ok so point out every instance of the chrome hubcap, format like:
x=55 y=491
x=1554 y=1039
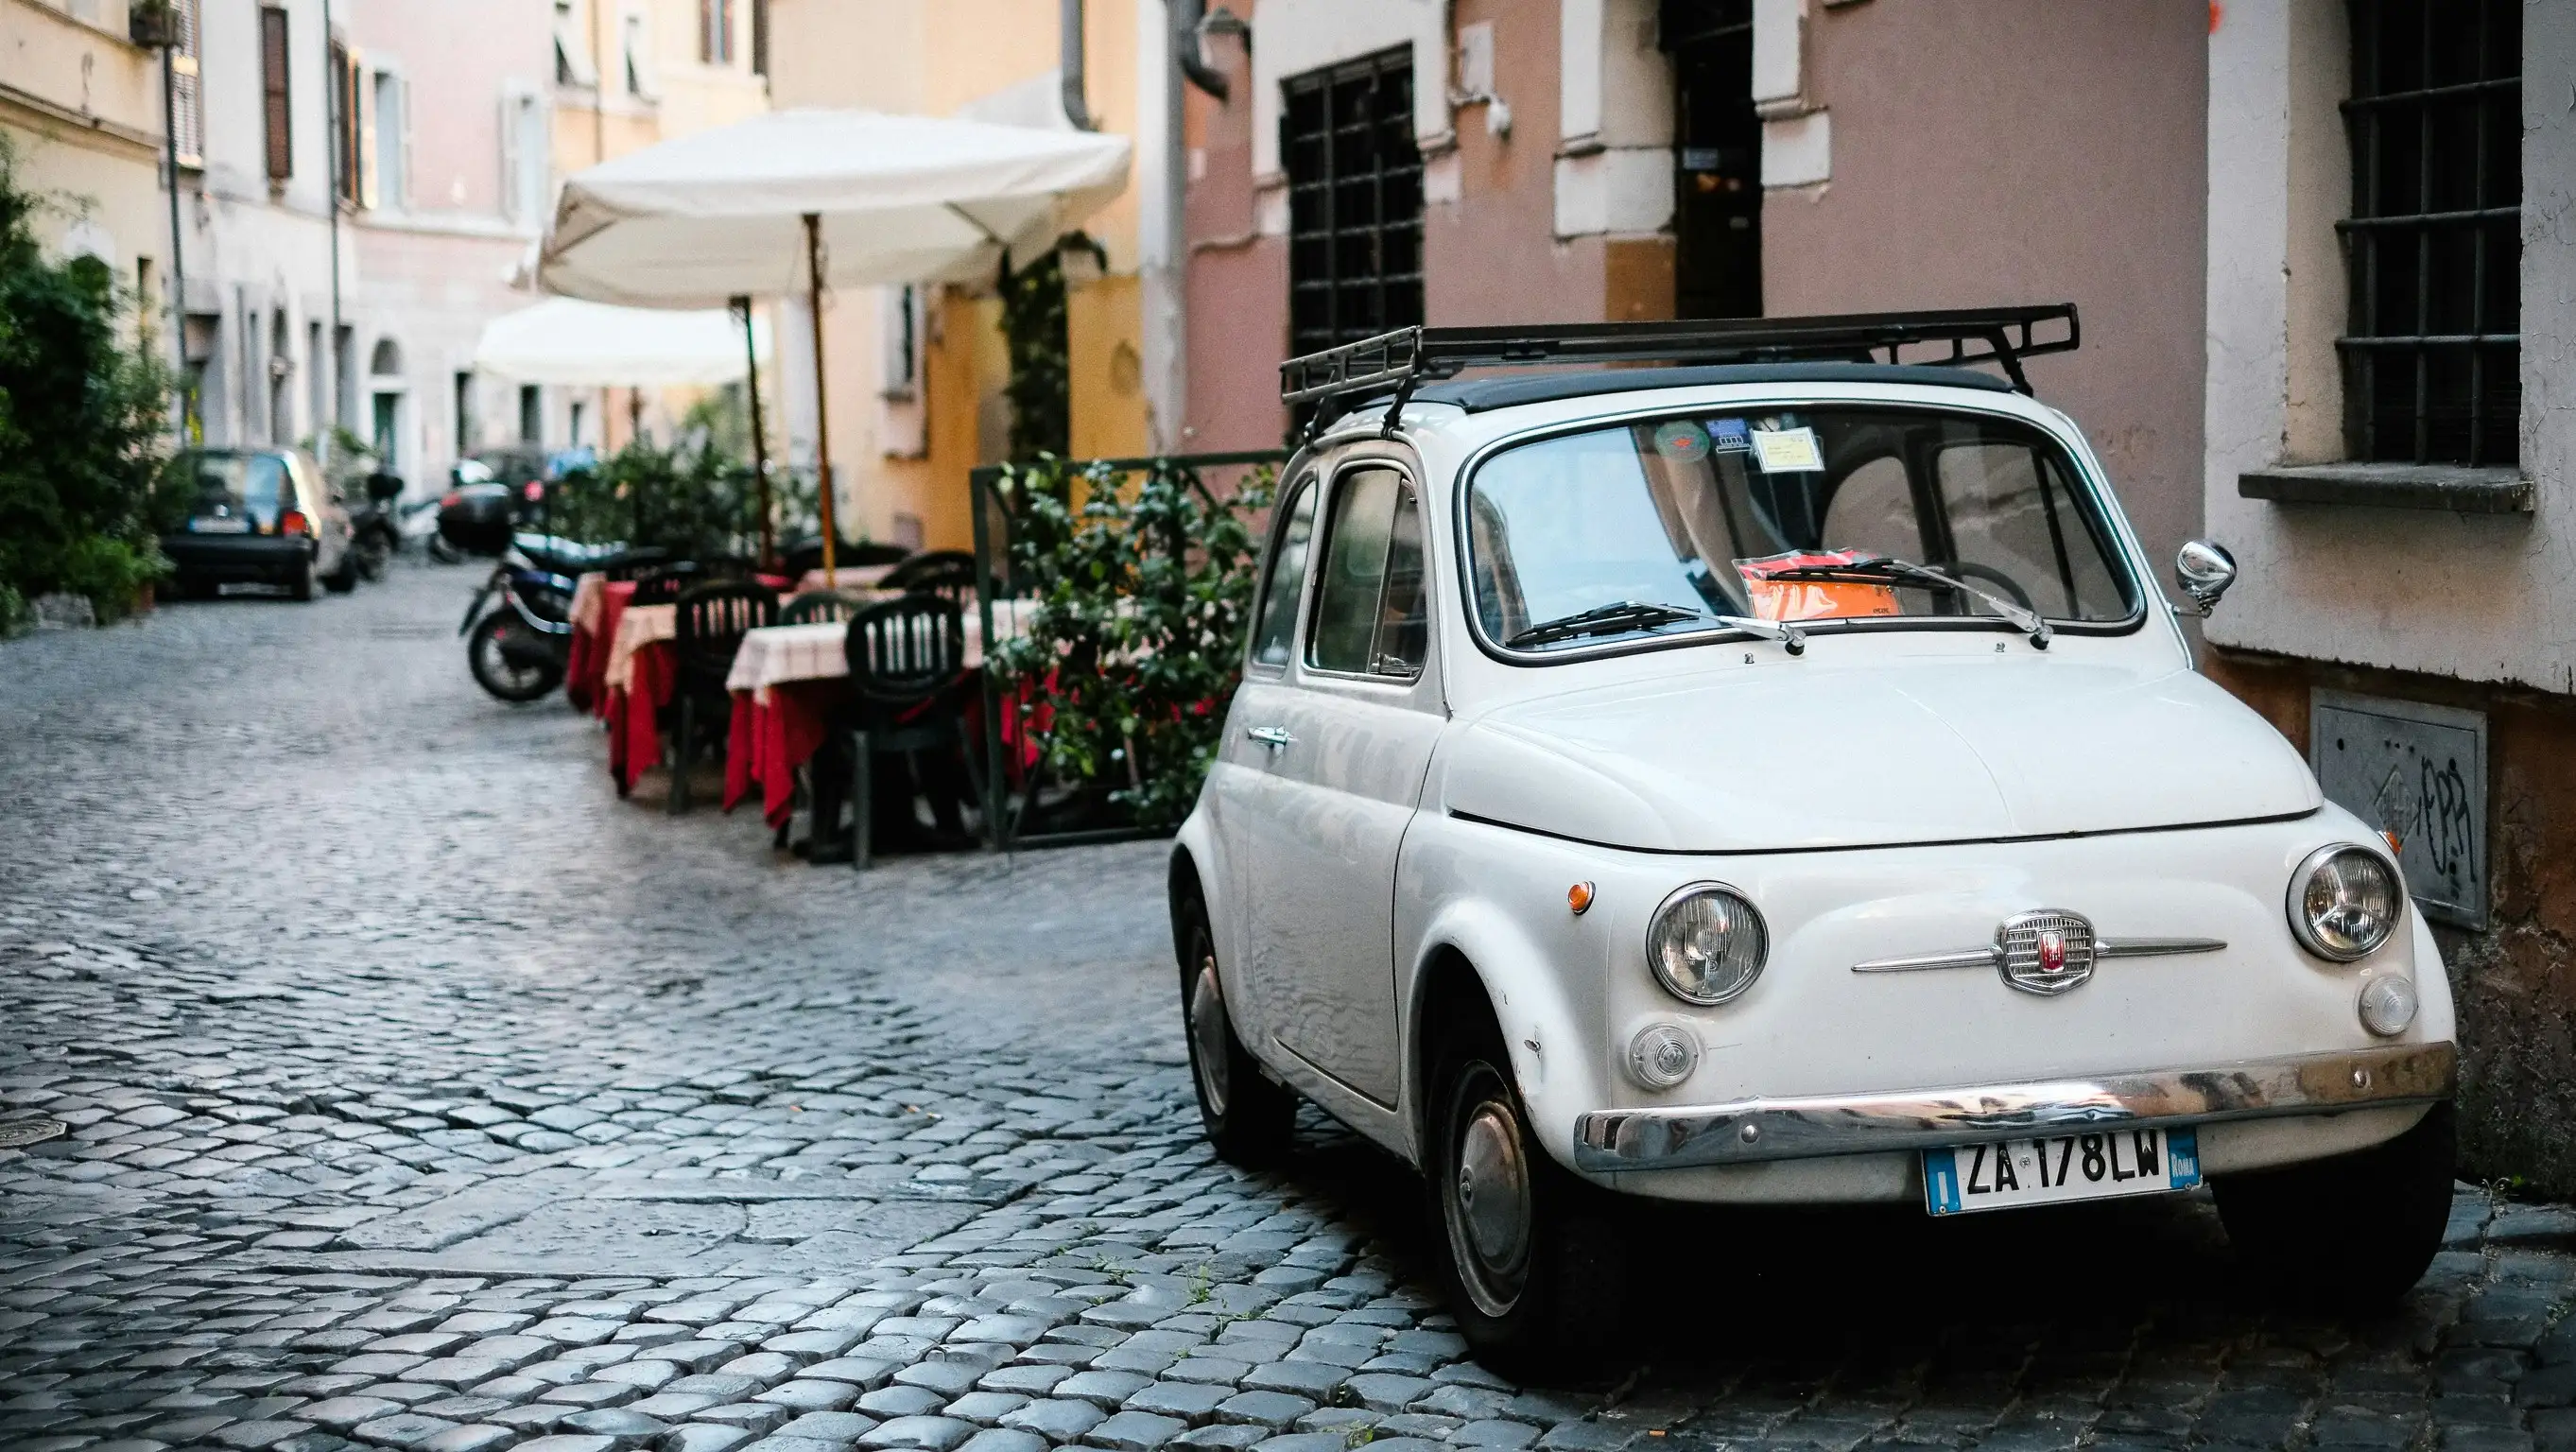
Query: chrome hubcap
x=1208 y=1035
x=1489 y=1207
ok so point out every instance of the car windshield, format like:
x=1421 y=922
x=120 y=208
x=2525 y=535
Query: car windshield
x=239 y=486
x=1851 y=513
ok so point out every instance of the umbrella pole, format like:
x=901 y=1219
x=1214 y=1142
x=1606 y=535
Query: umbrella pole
x=822 y=400
x=759 y=436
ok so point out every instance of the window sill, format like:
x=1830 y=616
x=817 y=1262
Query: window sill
x=2453 y=488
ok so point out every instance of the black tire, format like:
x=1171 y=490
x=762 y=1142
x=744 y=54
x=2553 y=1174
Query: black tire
x=1247 y=1116
x=299 y=586
x=2354 y=1232
x=1536 y=1262
x=344 y=579
x=497 y=673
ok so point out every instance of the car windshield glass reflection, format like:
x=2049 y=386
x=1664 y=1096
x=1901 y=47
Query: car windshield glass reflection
x=1669 y=526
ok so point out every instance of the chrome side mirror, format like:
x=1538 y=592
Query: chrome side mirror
x=2204 y=569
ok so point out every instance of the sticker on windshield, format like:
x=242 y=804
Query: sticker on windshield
x=1787 y=451
x=1728 y=435
x=1681 y=441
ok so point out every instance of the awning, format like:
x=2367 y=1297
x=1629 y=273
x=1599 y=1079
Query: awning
x=898 y=199
x=569 y=341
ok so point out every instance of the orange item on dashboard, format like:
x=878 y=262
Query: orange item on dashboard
x=1813 y=599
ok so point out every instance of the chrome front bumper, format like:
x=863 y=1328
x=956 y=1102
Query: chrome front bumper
x=1752 y=1130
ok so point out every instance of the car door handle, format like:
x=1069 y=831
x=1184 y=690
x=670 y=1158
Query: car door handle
x=1270 y=736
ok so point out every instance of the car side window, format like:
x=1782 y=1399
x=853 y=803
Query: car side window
x=1369 y=616
x=1276 y=623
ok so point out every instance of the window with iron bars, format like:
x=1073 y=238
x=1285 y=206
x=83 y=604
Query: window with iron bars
x=1354 y=201
x=2431 y=360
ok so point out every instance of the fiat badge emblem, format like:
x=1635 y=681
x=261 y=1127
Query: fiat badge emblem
x=2047 y=952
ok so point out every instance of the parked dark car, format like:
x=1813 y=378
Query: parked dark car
x=259 y=516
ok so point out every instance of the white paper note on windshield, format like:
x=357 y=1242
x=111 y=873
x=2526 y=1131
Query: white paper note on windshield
x=1787 y=451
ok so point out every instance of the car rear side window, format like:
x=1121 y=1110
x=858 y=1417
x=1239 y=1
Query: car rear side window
x=1369 y=616
x=1286 y=582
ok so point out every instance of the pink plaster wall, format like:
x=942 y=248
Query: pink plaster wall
x=2025 y=151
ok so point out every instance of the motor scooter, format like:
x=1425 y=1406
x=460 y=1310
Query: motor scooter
x=518 y=651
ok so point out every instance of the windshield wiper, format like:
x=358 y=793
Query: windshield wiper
x=1602 y=620
x=2020 y=617
x=1791 y=638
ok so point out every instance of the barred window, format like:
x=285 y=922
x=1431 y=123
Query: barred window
x=2431 y=362
x=1354 y=202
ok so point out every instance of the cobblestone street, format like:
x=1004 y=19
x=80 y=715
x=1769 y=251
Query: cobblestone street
x=421 y=1094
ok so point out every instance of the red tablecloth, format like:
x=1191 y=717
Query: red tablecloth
x=585 y=672
x=770 y=739
x=634 y=736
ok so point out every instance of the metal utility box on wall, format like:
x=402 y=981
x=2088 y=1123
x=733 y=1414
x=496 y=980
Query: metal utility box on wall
x=2419 y=772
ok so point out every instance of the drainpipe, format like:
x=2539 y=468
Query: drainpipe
x=178 y=251
x=332 y=122
x=1069 y=42
x=1187 y=17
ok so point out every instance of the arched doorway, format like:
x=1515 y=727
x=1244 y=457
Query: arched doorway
x=386 y=389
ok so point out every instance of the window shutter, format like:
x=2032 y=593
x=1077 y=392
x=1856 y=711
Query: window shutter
x=402 y=143
x=365 y=110
x=274 y=97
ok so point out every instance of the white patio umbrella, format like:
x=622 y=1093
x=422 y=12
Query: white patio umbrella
x=565 y=340
x=813 y=199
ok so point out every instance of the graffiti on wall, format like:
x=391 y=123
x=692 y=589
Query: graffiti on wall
x=2418 y=774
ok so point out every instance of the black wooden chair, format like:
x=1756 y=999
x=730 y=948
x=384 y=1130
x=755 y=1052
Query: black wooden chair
x=711 y=622
x=816 y=606
x=948 y=574
x=907 y=660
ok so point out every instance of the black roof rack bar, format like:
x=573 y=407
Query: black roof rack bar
x=1340 y=378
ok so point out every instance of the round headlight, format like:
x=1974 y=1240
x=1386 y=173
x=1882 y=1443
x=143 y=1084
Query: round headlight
x=1707 y=944
x=2388 y=1004
x=2344 y=902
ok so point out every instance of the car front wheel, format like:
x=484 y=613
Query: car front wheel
x=1535 y=1260
x=1247 y=1117
x=2353 y=1232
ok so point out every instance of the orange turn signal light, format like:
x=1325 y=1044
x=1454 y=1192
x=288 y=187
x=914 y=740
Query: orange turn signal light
x=2391 y=838
x=1579 y=897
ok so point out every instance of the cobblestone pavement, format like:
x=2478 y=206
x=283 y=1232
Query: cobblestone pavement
x=423 y=1095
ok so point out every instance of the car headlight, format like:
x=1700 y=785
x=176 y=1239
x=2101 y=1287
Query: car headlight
x=2344 y=902
x=1707 y=943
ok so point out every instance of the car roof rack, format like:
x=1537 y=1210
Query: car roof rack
x=1340 y=379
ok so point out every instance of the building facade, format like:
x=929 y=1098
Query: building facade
x=449 y=190
x=623 y=75
x=2391 y=299
x=1455 y=162
x=80 y=108
x=915 y=375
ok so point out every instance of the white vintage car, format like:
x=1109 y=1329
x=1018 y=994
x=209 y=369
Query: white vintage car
x=1779 y=782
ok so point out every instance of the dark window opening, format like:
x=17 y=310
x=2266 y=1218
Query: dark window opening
x=532 y=415
x=2432 y=358
x=276 y=112
x=760 y=37
x=464 y=411
x=1354 y=202
x=1717 y=156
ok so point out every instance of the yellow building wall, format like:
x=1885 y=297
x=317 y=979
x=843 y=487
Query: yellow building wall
x=1104 y=324
x=933 y=57
x=81 y=112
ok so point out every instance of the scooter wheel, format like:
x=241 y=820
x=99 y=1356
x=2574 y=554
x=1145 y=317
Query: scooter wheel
x=512 y=681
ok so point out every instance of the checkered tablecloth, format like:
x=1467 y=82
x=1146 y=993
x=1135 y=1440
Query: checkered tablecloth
x=638 y=627
x=778 y=654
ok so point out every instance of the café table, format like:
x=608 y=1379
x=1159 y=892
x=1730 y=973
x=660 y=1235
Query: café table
x=785 y=681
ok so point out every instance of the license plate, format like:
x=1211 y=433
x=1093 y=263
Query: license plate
x=2096 y=1166
x=219 y=526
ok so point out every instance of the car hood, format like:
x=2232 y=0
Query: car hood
x=1817 y=756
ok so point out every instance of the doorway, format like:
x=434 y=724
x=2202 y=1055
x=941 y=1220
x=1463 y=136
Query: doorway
x=1717 y=158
